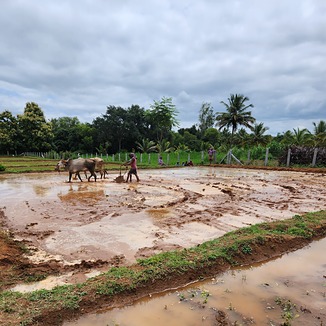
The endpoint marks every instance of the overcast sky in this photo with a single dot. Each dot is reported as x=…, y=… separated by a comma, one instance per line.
x=76, y=57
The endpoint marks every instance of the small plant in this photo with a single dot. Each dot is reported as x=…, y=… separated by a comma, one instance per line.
x=182, y=297
x=205, y=295
x=246, y=249
x=2, y=168
x=288, y=309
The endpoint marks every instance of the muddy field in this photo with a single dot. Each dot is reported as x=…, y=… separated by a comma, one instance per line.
x=107, y=223
x=77, y=230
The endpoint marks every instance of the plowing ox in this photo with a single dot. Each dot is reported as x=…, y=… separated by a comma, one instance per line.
x=99, y=166
x=78, y=165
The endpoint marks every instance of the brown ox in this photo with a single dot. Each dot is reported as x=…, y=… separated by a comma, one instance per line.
x=76, y=166
x=99, y=166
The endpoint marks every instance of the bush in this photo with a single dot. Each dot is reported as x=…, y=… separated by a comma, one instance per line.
x=2, y=168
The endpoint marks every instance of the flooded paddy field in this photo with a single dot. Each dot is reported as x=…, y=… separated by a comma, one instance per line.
x=168, y=209
x=88, y=227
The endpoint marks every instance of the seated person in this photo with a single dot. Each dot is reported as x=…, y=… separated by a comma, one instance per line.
x=190, y=163
x=160, y=161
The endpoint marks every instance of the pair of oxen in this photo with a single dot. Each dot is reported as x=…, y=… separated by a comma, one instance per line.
x=75, y=166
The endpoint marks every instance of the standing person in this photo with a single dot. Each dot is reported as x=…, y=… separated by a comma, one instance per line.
x=211, y=152
x=133, y=167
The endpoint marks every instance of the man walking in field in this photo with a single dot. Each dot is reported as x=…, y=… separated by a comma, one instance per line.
x=133, y=167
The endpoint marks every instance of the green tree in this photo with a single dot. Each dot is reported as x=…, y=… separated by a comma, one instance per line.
x=318, y=137
x=63, y=129
x=258, y=137
x=212, y=136
x=35, y=134
x=242, y=138
x=136, y=124
x=206, y=118
x=8, y=132
x=146, y=145
x=72, y=135
x=236, y=114
x=121, y=127
x=300, y=136
x=287, y=138
x=320, y=127
x=162, y=118
x=111, y=127
x=192, y=141
x=164, y=146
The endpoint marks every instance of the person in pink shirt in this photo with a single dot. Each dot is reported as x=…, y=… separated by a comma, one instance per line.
x=133, y=167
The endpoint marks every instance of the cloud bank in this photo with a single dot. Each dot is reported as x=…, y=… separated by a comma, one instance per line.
x=74, y=58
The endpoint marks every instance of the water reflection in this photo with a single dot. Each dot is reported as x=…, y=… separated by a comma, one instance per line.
x=40, y=190
x=81, y=192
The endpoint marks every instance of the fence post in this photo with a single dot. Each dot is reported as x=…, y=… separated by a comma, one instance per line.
x=141, y=157
x=314, y=159
x=149, y=158
x=168, y=159
x=266, y=156
x=188, y=157
x=288, y=158
x=228, y=157
x=248, y=157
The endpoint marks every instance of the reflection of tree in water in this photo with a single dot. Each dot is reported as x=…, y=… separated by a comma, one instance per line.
x=82, y=193
x=40, y=190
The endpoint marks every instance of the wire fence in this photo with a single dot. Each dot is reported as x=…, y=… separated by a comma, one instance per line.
x=241, y=157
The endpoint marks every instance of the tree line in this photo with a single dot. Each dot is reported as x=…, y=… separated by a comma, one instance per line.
x=148, y=130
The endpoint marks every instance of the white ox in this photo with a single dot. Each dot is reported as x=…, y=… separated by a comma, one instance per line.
x=76, y=166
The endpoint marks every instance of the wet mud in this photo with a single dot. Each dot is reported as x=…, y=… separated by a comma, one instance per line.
x=289, y=290
x=106, y=223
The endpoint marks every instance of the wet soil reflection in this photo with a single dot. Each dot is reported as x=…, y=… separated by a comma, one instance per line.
x=289, y=289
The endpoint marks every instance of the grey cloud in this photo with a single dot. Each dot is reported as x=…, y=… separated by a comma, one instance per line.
x=70, y=56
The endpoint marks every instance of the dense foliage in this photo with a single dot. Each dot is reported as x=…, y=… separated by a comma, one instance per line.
x=151, y=130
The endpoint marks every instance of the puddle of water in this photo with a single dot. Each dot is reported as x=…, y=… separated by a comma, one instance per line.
x=47, y=284
x=246, y=296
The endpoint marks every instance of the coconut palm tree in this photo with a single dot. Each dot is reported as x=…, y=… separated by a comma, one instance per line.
x=164, y=146
x=318, y=137
x=257, y=136
x=146, y=146
x=236, y=114
x=300, y=136
x=319, y=128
